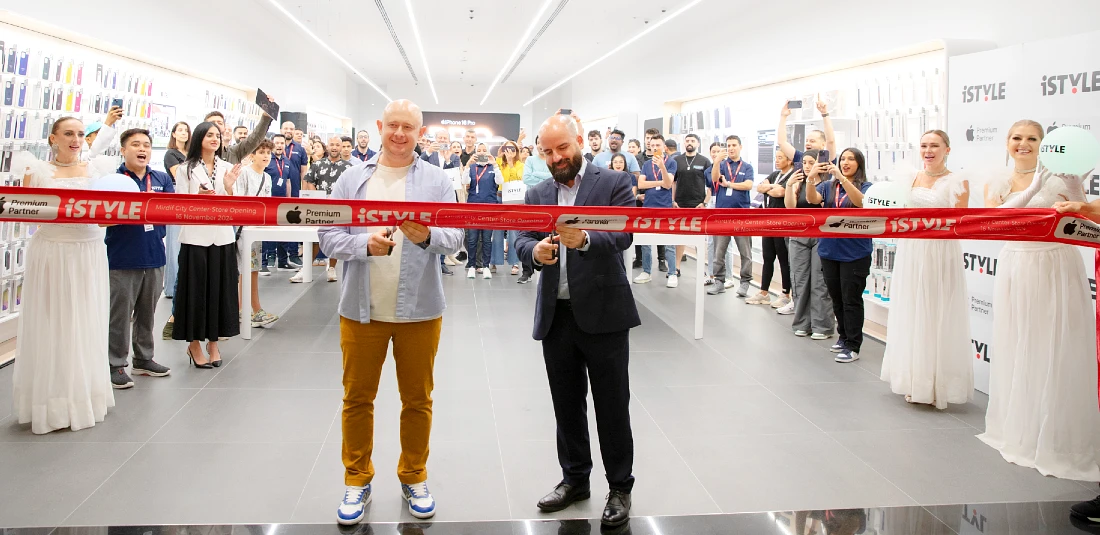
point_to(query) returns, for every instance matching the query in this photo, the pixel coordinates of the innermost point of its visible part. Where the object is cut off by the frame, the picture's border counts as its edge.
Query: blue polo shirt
(603, 160)
(660, 196)
(484, 189)
(298, 157)
(739, 171)
(284, 172)
(363, 156)
(139, 246)
(841, 249)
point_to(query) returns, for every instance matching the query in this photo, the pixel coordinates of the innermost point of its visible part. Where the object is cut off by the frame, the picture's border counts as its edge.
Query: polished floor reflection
(748, 419)
(1048, 518)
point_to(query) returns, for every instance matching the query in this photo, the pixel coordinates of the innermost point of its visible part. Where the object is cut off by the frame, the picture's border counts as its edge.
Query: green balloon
(1070, 150)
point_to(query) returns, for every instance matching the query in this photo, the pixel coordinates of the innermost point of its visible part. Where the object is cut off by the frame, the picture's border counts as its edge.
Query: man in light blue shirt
(392, 289)
(615, 146)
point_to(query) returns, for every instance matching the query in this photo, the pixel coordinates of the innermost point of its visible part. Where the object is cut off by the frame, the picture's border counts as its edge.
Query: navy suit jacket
(599, 288)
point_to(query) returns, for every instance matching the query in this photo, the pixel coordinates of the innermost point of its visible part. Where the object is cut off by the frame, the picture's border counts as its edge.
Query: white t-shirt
(387, 184)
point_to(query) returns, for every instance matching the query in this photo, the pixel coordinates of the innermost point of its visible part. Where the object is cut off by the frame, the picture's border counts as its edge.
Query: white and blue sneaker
(838, 347)
(351, 510)
(847, 356)
(421, 502)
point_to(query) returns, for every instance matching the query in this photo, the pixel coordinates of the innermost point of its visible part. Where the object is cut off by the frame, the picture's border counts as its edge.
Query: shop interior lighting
(420, 45)
(519, 46)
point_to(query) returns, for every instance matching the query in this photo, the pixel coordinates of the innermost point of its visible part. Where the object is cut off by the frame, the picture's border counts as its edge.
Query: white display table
(306, 235)
(700, 244)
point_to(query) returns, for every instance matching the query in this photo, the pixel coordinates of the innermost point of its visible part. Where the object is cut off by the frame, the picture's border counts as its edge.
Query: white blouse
(204, 235)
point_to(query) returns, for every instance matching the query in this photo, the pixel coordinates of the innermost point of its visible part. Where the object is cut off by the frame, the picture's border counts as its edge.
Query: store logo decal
(981, 134)
(984, 93)
(982, 264)
(981, 306)
(1079, 82)
(981, 350)
(854, 225)
(971, 516)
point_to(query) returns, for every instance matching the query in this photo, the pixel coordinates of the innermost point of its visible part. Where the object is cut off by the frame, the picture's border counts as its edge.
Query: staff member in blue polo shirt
(656, 184)
(845, 262)
(734, 178)
(283, 171)
(135, 255)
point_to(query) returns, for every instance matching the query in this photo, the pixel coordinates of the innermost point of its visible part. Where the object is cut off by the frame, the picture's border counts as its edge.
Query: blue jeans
(473, 259)
(513, 253)
(670, 259)
(498, 248)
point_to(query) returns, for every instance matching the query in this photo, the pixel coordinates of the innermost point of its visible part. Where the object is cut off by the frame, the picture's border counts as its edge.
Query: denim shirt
(420, 290)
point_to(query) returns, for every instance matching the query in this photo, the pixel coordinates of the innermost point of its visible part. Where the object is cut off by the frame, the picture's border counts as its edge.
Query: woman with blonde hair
(1042, 379)
(928, 354)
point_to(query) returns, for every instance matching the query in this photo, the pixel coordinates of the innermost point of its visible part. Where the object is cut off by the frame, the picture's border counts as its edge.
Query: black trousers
(846, 282)
(775, 248)
(572, 357)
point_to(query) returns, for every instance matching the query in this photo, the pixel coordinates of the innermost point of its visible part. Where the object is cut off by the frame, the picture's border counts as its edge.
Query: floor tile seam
(942, 521)
(316, 461)
(493, 406)
(875, 470)
(679, 455)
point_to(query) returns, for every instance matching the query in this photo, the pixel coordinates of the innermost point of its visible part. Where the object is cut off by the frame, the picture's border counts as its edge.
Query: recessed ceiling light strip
(396, 41)
(420, 44)
(526, 34)
(324, 45)
(612, 52)
(535, 39)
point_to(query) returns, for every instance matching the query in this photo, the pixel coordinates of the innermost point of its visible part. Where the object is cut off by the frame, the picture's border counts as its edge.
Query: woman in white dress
(928, 355)
(61, 377)
(1042, 382)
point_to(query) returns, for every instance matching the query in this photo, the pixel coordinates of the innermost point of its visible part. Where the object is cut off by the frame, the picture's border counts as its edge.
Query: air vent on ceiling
(396, 41)
(537, 36)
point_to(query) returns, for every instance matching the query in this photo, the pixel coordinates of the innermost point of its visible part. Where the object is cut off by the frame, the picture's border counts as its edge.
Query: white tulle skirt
(928, 355)
(1043, 410)
(62, 375)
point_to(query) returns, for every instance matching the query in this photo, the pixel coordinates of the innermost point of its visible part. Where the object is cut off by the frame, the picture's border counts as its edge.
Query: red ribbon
(41, 205)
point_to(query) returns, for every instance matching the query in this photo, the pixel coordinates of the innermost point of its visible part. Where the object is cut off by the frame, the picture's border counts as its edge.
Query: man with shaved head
(583, 315)
(392, 289)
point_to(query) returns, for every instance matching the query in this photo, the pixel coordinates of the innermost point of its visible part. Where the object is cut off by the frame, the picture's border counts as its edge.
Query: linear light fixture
(324, 45)
(519, 46)
(621, 46)
(420, 44)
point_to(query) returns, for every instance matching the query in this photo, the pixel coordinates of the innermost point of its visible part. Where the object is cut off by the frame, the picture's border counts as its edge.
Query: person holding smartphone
(481, 187)
(99, 135)
(656, 185)
(813, 308)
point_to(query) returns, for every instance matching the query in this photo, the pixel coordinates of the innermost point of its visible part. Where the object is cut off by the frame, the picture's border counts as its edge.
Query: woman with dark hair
(318, 151)
(62, 375)
(206, 304)
(928, 354)
(845, 262)
(1042, 380)
(813, 308)
(774, 189)
(177, 153)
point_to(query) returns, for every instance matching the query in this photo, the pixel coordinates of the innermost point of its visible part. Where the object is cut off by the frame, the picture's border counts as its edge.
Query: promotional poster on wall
(492, 129)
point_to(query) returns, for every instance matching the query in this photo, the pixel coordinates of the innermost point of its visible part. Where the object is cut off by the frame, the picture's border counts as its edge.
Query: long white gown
(928, 356)
(1043, 411)
(62, 376)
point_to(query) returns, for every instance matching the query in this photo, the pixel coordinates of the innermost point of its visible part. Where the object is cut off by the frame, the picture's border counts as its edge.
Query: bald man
(583, 315)
(392, 289)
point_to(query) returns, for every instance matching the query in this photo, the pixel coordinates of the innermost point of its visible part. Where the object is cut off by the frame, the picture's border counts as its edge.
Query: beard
(563, 174)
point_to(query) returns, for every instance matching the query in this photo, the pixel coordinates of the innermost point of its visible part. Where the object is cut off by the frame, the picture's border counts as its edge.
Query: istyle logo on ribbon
(871, 226)
(38, 207)
(984, 92)
(1079, 82)
(1072, 228)
(314, 214)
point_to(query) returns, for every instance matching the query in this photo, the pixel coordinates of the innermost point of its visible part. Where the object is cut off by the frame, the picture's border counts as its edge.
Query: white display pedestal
(306, 235)
(700, 244)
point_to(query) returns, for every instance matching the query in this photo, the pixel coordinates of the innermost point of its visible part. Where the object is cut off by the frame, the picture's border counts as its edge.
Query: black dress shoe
(563, 496)
(617, 511)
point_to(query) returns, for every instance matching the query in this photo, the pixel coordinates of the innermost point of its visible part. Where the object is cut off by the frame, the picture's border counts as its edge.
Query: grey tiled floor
(748, 419)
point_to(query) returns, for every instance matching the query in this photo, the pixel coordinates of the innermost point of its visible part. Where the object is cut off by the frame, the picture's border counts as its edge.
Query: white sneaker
(820, 336)
(421, 502)
(759, 299)
(781, 302)
(730, 284)
(450, 261)
(298, 276)
(673, 281)
(352, 508)
(643, 278)
(486, 274)
(331, 273)
(801, 333)
(786, 310)
(471, 273)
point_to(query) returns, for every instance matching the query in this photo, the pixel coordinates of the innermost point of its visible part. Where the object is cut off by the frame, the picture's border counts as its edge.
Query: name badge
(280, 182)
(658, 188)
(729, 192)
(149, 228)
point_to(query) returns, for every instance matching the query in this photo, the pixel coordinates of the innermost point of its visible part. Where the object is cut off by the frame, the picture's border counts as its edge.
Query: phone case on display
(22, 130)
(9, 123)
(68, 100)
(47, 124)
(9, 92)
(876, 284)
(5, 298)
(21, 101)
(129, 84)
(98, 103)
(7, 254)
(99, 73)
(149, 89)
(24, 57)
(58, 69)
(2, 56)
(17, 290)
(80, 74)
(46, 100)
(114, 79)
(21, 250)
(69, 71)
(79, 97)
(13, 60)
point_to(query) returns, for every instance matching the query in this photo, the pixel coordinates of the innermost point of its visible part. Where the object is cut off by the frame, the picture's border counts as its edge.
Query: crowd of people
(91, 292)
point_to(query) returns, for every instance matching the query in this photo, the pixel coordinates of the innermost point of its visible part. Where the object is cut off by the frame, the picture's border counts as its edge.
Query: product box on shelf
(7, 256)
(20, 257)
(6, 300)
(17, 293)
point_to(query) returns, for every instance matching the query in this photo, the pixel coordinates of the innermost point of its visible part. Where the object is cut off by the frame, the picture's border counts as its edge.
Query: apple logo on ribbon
(1070, 228)
(294, 216)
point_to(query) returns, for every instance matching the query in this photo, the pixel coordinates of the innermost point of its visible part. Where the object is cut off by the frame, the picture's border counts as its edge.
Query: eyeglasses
(616, 138)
